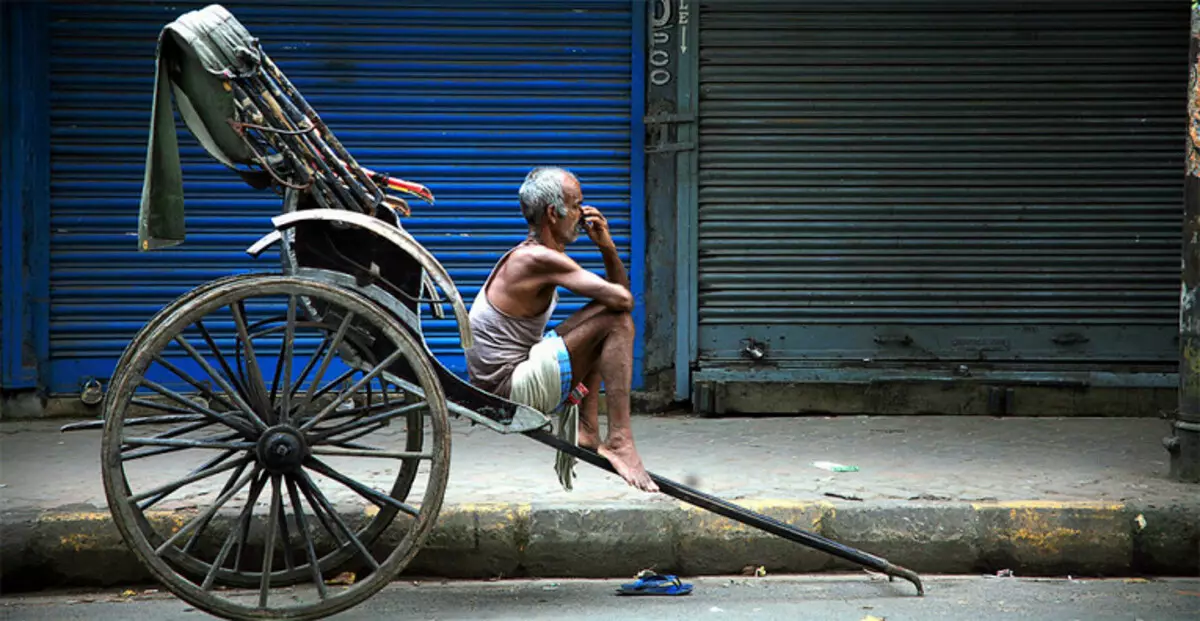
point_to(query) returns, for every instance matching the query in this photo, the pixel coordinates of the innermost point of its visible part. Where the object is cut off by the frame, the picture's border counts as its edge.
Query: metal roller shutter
(929, 181)
(462, 96)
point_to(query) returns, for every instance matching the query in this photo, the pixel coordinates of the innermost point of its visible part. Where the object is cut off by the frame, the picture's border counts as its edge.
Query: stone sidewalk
(1039, 496)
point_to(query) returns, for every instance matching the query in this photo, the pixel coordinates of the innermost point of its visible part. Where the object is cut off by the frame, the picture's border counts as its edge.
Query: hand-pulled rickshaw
(268, 379)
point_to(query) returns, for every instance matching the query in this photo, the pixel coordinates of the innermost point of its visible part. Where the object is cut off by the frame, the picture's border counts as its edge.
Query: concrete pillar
(1184, 443)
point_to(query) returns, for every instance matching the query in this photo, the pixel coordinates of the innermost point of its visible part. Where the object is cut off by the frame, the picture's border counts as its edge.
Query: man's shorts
(543, 381)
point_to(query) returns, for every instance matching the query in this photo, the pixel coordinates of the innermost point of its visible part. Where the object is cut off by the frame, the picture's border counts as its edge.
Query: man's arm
(597, 228)
(562, 271)
(613, 266)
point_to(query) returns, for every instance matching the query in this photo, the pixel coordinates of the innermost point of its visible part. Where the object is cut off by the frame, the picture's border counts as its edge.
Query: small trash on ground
(754, 570)
(873, 618)
(834, 467)
(1003, 573)
(553, 586)
(930, 497)
(346, 578)
(1136, 581)
(1141, 521)
(843, 496)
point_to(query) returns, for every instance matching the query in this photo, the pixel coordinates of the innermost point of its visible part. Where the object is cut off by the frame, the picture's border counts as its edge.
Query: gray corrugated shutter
(462, 96)
(941, 181)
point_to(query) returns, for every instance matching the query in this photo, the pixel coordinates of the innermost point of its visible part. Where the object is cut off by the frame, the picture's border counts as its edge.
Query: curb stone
(928, 538)
(80, 546)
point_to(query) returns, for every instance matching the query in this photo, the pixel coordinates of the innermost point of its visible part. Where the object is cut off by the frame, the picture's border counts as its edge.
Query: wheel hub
(282, 449)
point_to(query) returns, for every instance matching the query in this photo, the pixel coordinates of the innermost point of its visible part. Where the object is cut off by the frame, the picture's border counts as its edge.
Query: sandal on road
(655, 584)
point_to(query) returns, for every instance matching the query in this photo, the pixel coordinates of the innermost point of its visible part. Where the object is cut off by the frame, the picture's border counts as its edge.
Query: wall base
(721, 392)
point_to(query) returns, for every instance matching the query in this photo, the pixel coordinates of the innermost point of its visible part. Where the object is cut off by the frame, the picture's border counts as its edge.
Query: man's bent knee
(618, 321)
(625, 323)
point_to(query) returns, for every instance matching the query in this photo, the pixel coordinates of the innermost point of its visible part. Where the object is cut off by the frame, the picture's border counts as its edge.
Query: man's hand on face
(597, 227)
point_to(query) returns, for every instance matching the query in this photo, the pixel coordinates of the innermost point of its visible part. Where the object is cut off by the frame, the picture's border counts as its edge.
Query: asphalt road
(790, 598)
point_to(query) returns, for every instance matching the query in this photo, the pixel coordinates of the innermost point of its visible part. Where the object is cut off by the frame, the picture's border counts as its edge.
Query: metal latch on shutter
(659, 127)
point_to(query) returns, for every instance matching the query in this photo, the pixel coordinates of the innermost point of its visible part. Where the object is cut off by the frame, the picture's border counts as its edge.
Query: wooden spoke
(257, 387)
(228, 484)
(306, 481)
(309, 550)
(211, 510)
(287, 348)
(379, 498)
(343, 452)
(232, 392)
(329, 353)
(132, 455)
(367, 421)
(345, 441)
(186, 443)
(154, 405)
(229, 373)
(319, 511)
(204, 472)
(264, 588)
(256, 490)
(228, 421)
(346, 394)
(312, 362)
(187, 377)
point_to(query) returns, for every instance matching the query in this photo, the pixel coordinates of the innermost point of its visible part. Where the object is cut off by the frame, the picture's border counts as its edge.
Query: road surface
(789, 598)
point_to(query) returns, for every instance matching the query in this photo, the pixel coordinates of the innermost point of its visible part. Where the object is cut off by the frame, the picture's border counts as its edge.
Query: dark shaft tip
(909, 575)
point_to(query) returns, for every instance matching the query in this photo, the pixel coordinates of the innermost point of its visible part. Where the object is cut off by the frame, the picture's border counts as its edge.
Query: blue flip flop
(649, 583)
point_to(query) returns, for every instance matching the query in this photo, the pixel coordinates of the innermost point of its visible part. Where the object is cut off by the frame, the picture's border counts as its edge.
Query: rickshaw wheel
(282, 443)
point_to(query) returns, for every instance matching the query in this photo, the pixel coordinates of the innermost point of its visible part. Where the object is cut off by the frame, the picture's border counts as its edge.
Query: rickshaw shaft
(741, 514)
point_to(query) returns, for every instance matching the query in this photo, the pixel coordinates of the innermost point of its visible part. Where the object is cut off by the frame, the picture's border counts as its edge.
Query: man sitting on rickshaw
(516, 358)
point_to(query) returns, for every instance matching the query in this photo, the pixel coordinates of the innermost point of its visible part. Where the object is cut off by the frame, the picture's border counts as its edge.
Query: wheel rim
(268, 439)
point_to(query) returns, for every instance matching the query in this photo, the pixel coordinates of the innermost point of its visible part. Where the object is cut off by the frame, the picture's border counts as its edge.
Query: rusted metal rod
(741, 514)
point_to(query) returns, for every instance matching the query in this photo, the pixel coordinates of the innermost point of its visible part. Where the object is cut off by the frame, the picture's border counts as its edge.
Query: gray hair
(543, 187)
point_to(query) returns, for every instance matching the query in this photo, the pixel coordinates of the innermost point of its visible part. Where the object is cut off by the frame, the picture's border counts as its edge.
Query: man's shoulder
(538, 258)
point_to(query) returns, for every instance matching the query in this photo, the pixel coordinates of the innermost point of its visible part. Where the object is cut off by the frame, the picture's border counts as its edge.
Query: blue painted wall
(462, 96)
(25, 187)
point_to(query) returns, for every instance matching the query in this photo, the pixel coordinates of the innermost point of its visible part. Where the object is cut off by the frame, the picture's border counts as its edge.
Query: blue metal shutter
(460, 95)
(934, 181)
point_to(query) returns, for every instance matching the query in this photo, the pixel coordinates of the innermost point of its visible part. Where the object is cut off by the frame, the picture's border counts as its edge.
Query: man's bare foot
(588, 438)
(589, 435)
(624, 457)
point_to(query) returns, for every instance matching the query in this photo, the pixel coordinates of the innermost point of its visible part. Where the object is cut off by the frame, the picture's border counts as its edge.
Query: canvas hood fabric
(195, 55)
